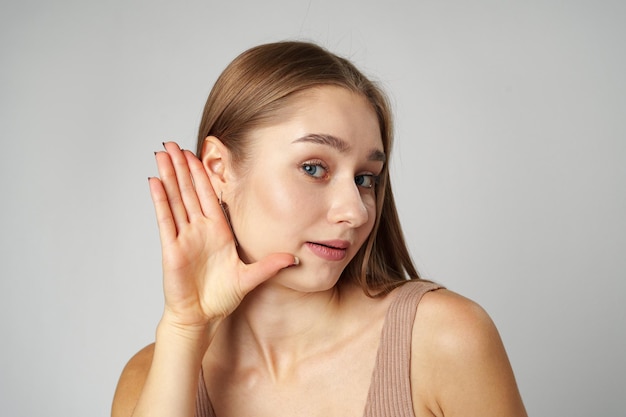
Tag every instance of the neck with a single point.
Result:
(279, 327)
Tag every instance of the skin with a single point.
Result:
(267, 319)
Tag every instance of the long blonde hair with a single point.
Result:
(259, 83)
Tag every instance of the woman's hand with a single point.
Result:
(204, 278)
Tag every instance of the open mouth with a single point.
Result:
(328, 251)
(327, 246)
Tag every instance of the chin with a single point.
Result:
(303, 279)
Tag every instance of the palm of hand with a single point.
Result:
(203, 277)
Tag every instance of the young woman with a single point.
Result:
(289, 290)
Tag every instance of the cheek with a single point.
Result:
(370, 205)
(285, 200)
(369, 201)
(270, 212)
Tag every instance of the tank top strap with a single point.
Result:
(204, 408)
(390, 389)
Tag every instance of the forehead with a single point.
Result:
(327, 110)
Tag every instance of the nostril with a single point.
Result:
(348, 206)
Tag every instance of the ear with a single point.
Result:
(217, 162)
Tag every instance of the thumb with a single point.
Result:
(262, 270)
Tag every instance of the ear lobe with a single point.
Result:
(215, 158)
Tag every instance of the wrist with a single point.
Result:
(187, 336)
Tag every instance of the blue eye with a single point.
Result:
(366, 180)
(315, 170)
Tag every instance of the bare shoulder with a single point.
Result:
(454, 321)
(453, 329)
(131, 382)
(459, 365)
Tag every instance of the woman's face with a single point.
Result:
(309, 187)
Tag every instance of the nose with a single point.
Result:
(347, 205)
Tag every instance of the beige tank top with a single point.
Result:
(390, 388)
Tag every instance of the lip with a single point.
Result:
(330, 250)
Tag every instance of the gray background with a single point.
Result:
(509, 173)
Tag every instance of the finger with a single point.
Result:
(169, 182)
(261, 271)
(185, 184)
(204, 189)
(208, 198)
(165, 221)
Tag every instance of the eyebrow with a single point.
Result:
(339, 144)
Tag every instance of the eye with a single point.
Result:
(315, 169)
(366, 180)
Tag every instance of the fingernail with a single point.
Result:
(296, 261)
